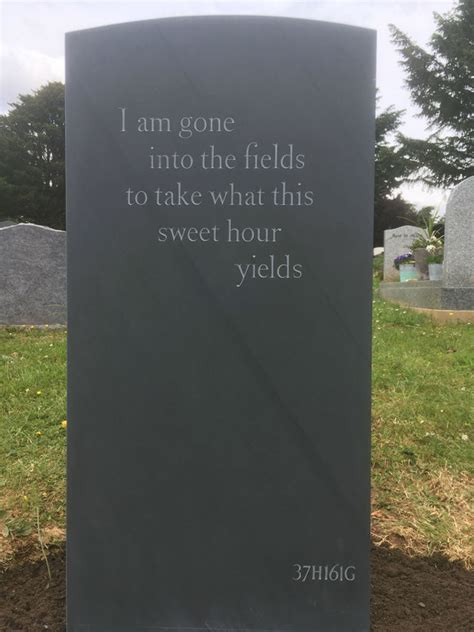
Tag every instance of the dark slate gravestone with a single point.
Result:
(220, 248)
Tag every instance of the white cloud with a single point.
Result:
(420, 195)
(24, 70)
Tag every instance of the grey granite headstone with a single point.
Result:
(33, 275)
(458, 265)
(397, 241)
(219, 353)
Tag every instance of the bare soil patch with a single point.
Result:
(409, 594)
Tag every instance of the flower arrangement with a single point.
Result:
(401, 259)
(432, 241)
(435, 252)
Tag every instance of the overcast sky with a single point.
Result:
(32, 41)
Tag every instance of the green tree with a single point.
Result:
(392, 168)
(426, 214)
(441, 81)
(32, 158)
(391, 213)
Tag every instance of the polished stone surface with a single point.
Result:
(219, 428)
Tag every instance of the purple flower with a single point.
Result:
(405, 258)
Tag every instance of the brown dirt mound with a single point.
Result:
(30, 602)
(409, 594)
(420, 594)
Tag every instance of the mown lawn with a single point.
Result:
(422, 432)
(423, 406)
(32, 435)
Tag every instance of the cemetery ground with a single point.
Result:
(421, 479)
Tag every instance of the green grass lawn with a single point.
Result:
(422, 432)
(422, 438)
(32, 437)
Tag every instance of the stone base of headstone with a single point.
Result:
(457, 298)
(413, 293)
(428, 294)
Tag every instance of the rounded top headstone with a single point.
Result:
(397, 241)
(459, 236)
(462, 195)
